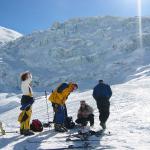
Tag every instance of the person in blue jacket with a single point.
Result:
(102, 93)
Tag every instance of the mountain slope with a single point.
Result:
(128, 121)
(8, 35)
(81, 50)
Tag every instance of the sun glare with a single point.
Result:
(139, 8)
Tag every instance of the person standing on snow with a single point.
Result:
(102, 93)
(85, 114)
(26, 104)
(58, 98)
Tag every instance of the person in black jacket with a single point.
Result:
(102, 93)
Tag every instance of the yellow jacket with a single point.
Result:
(60, 98)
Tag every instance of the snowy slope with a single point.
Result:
(7, 35)
(82, 50)
(129, 120)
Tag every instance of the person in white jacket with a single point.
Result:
(85, 114)
(26, 104)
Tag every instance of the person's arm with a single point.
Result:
(65, 95)
(90, 109)
(110, 91)
(79, 115)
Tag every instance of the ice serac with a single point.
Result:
(83, 50)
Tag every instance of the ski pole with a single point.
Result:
(10, 132)
(47, 106)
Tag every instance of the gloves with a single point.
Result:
(55, 107)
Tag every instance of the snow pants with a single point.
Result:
(103, 106)
(84, 121)
(59, 113)
(24, 119)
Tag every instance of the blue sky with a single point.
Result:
(26, 16)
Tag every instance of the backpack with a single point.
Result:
(69, 124)
(36, 126)
(62, 87)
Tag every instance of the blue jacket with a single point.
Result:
(102, 90)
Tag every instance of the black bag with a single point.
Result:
(36, 126)
(69, 124)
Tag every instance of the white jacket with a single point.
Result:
(26, 88)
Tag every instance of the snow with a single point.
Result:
(8, 35)
(128, 123)
(82, 50)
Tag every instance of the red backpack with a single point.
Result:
(36, 126)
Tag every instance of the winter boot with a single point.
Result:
(66, 130)
(27, 132)
(59, 128)
(21, 131)
(103, 125)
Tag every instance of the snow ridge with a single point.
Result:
(8, 35)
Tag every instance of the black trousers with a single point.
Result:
(103, 106)
(84, 121)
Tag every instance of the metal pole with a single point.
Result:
(47, 106)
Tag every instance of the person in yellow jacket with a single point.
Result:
(58, 98)
(26, 104)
